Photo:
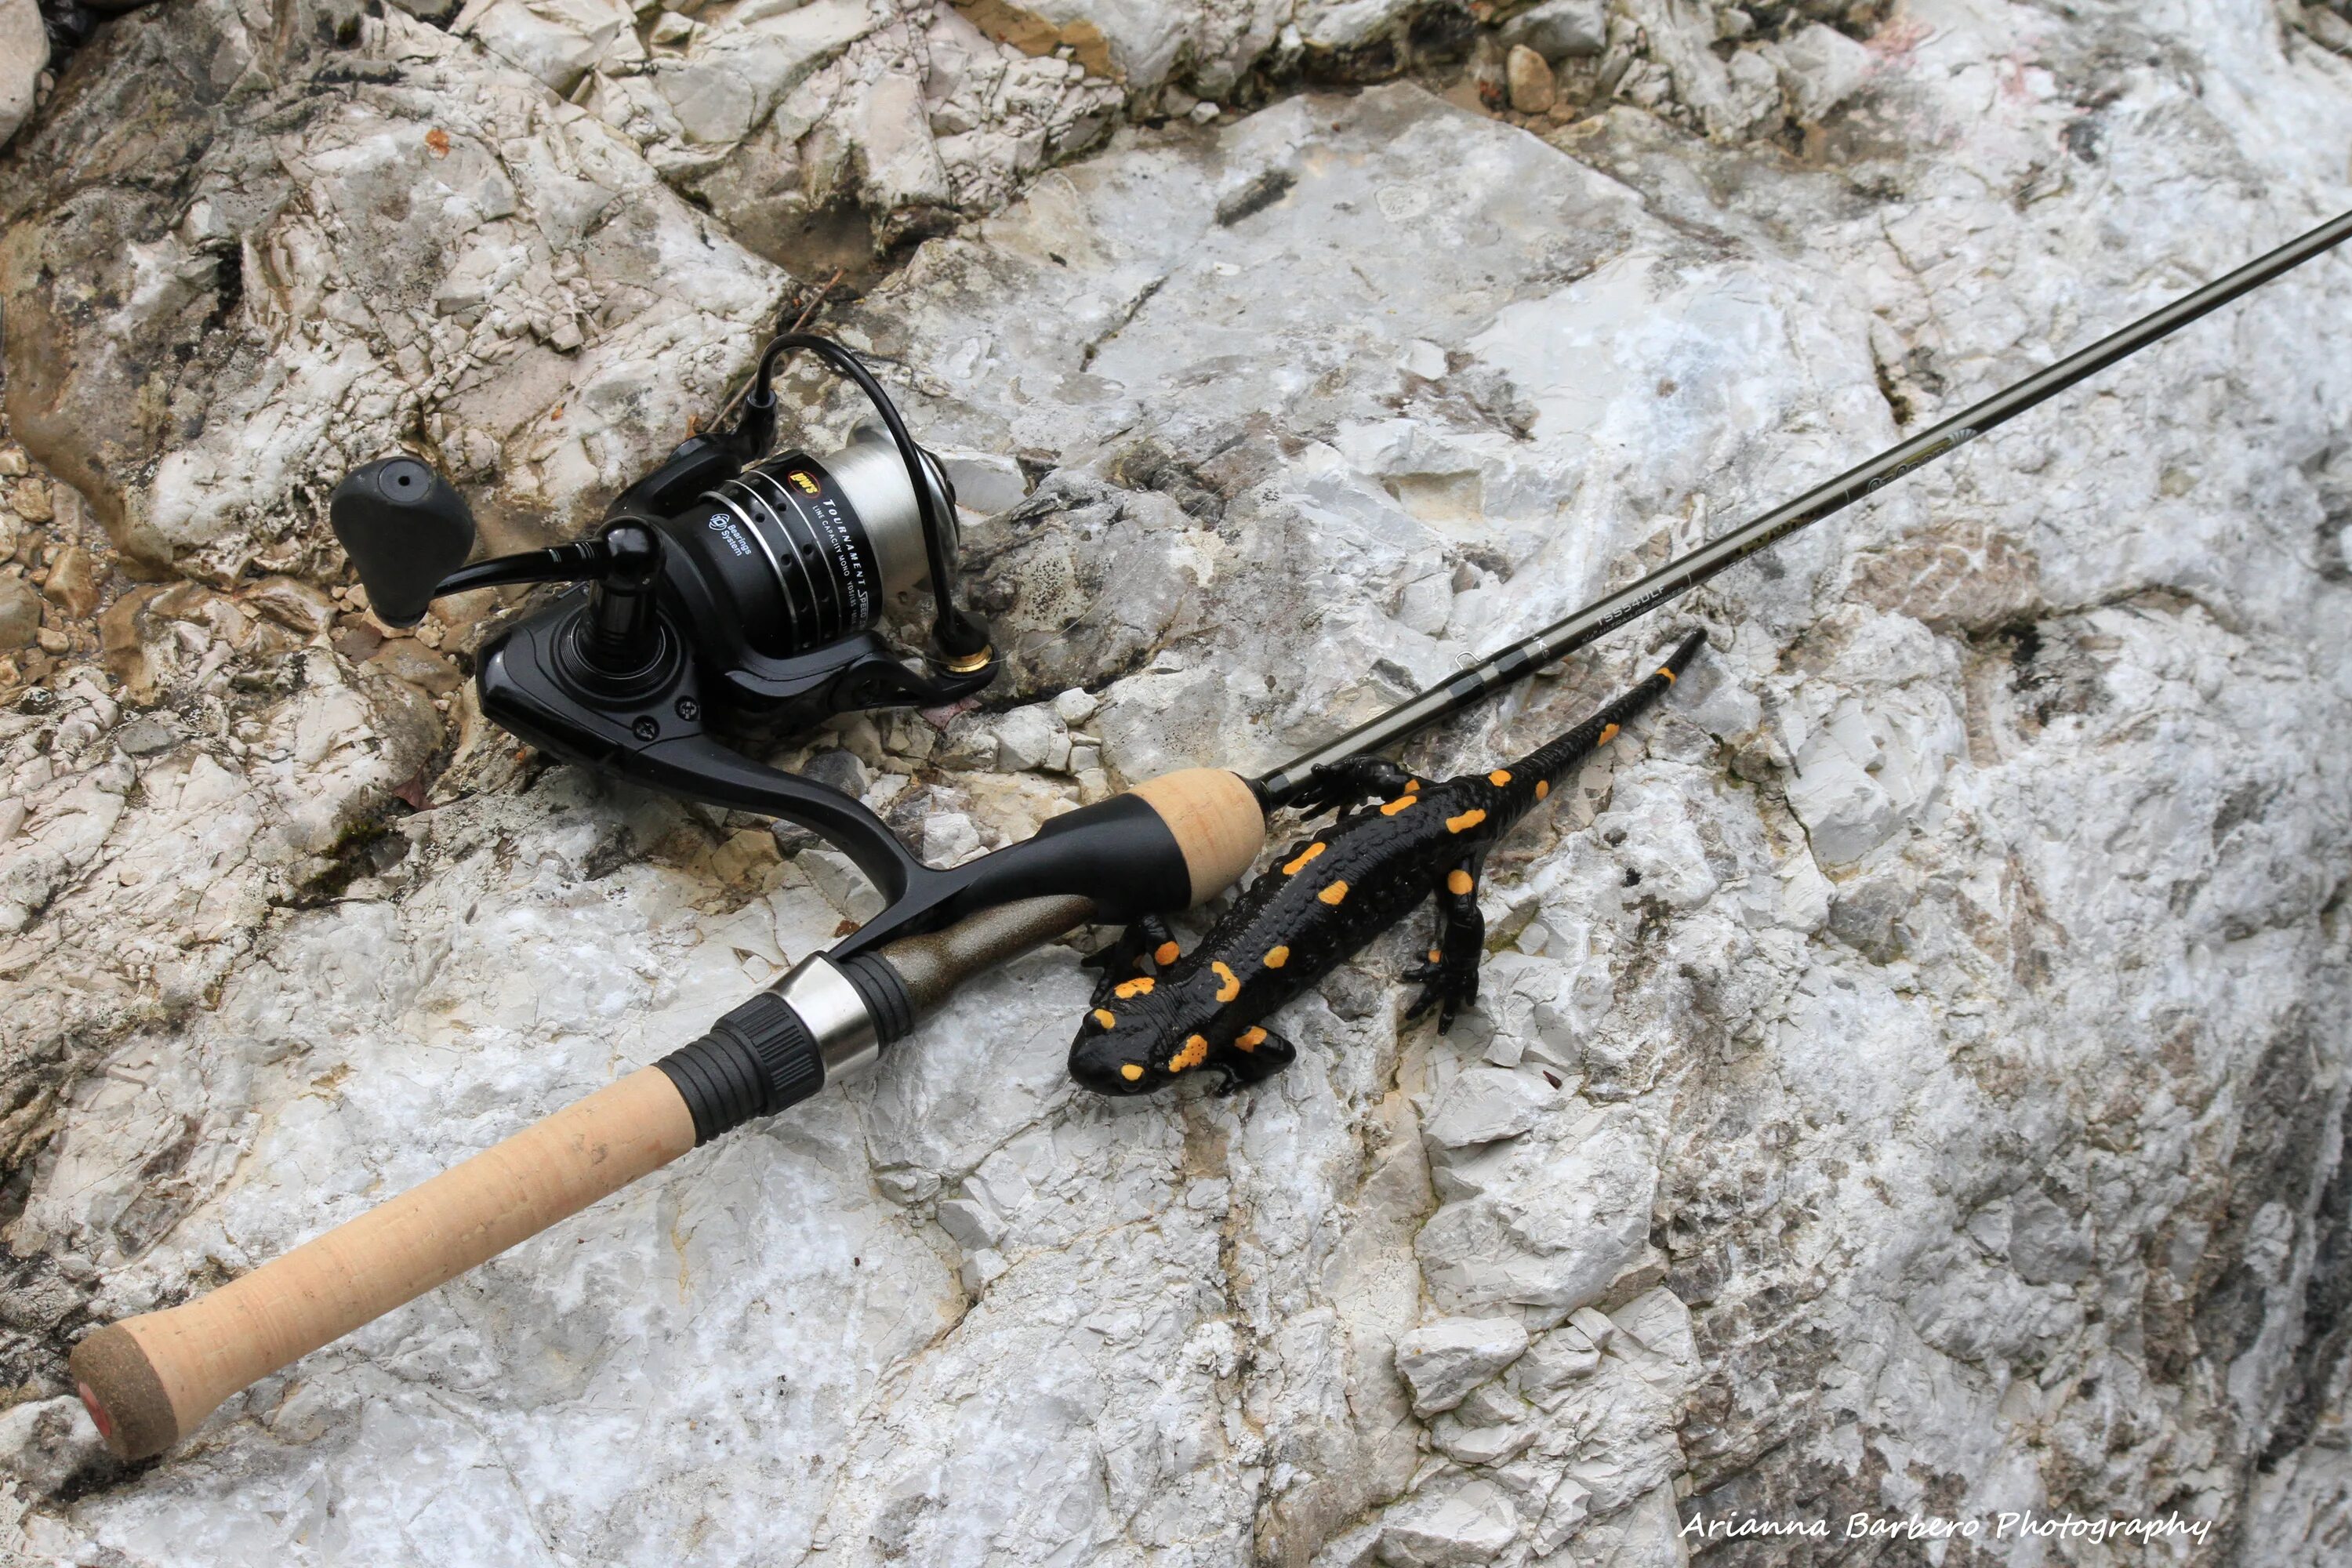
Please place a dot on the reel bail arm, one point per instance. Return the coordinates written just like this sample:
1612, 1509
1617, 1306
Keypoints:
959, 640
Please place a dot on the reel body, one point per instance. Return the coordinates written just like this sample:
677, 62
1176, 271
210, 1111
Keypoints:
733, 595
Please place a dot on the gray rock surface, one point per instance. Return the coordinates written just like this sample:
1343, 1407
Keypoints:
20, 613
45, 1443
1909, 1073
428, 251
1445, 1360
1557, 28
24, 55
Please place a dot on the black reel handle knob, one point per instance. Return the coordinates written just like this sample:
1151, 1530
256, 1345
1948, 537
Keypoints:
404, 528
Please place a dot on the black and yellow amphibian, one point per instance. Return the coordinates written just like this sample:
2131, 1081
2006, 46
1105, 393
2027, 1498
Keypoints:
1160, 1013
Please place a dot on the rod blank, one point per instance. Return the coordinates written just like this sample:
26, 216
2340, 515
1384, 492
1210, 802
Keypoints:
1684, 572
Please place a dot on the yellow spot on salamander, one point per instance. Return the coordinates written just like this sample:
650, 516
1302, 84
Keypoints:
1410, 785
1105, 1017
1275, 957
1333, 894
1250, 1039
1499, 778
1139, 986
1195, 1052
1130, 1072
1164, 954
1608, 733
1465, 821
1667, 673
1543, 788
1292, 867
1398, 803
1232, 987
1436, 955
1457, 882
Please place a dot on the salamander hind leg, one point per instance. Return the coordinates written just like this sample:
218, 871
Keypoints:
1122, 961
1449, 979
1335, 786
1255, 1055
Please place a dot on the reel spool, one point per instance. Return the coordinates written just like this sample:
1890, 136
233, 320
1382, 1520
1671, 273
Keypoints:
795, 554
798, 551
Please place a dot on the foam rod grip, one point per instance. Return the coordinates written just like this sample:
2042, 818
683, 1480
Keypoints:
149, 1381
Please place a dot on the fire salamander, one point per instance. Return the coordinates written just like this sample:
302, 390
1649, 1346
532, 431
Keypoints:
1323, 902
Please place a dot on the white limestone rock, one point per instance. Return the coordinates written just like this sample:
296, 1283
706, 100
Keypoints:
24, 55
950, 839
1662, 58
1980, 1141
1025, 739
558, 41
1820, 68
1553, 1361
1445, 1360
1486, 1105
782, 118
1452, 1528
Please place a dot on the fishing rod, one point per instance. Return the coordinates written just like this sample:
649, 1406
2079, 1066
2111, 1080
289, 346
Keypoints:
688, 601
1606, 614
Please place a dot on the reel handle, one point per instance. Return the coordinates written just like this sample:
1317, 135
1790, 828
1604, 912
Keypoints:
404, 528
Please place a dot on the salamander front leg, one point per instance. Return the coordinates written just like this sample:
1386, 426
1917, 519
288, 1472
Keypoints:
1122, 961
1449, 980
1256, 1054
1335, 786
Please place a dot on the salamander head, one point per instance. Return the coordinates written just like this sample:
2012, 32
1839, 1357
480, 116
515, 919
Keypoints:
1122, 1048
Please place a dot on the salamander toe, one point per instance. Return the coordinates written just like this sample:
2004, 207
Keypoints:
1256, 1054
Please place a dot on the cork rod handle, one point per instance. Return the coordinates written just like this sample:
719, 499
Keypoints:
1216, 821
150, 1381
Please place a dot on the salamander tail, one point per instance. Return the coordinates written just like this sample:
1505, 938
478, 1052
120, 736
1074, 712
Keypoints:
1685, 651
1549, 763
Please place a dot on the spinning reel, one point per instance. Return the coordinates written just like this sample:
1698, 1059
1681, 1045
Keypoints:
733, 590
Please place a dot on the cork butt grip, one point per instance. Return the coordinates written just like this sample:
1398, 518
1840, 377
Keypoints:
1217, 822
150, 1381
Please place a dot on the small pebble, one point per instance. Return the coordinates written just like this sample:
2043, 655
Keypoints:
1530, 79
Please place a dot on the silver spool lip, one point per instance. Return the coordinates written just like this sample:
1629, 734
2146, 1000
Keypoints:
872, 476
